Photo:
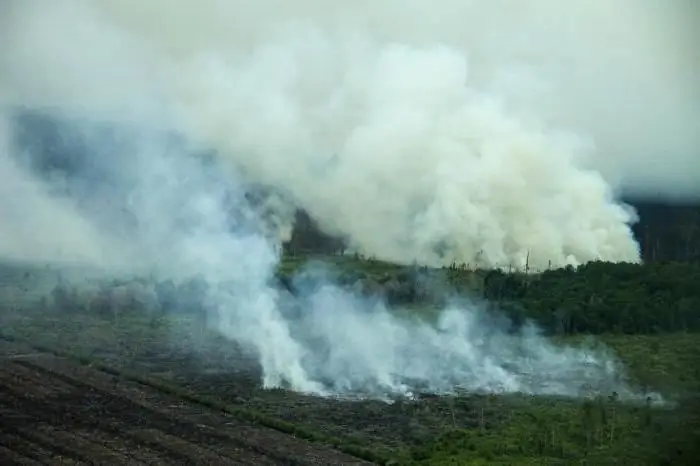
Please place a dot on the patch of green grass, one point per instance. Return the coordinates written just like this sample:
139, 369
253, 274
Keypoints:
549, 431
596, 432
362, 267
669, 362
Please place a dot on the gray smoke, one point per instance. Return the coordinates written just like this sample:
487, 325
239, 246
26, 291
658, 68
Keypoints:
457, 131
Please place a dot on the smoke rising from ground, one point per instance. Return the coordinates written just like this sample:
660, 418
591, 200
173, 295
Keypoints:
187, 216
36, 226
456, 131
355, 347
429, 132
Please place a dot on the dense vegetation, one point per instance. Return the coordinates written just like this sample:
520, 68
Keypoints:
602, 297
668, 232
597, 298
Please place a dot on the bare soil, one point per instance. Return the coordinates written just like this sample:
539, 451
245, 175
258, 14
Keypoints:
216, 368
57, 411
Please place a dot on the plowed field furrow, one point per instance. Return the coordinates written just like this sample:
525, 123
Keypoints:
169, 412
134, 412
94, 445
31, 449
184, 448
122, 430
9, 456
66, 444
55, 411
138, 453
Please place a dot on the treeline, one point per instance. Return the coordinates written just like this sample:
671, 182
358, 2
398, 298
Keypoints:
668, 232
595, 298
602, 297
598, 297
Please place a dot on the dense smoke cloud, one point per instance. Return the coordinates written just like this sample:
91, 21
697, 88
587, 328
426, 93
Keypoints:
37, 226
421, 131
431, 132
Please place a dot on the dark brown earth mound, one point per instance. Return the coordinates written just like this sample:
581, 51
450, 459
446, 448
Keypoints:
55, 411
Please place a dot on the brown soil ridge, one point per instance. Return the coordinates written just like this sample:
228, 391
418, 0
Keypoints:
56, 411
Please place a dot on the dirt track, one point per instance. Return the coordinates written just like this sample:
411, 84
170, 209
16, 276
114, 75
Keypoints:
56, 411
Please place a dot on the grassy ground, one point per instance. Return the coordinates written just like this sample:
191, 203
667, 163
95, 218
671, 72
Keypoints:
463, 430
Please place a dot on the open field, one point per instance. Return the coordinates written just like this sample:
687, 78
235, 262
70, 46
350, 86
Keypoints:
183, 360
55, 410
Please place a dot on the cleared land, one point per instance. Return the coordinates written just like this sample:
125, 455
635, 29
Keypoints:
81, 388
55, 411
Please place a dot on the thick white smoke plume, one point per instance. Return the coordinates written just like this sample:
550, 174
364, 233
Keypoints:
422, 131
470, 131
353, 348
36, 226
187, 216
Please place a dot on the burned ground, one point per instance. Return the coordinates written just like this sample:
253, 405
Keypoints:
161, 388
54, 410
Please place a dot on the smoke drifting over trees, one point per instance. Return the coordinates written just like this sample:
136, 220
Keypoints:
420, 132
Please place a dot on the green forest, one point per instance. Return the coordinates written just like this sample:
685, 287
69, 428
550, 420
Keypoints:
667, 231
595, 298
